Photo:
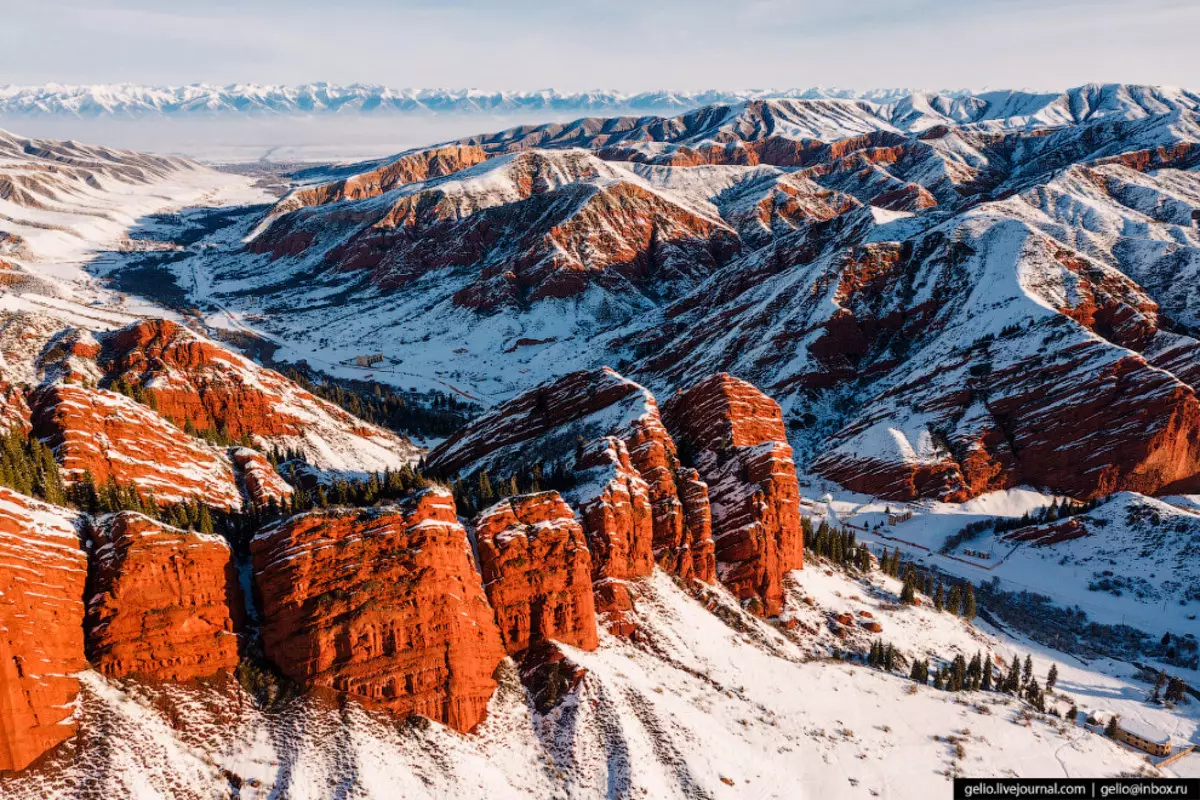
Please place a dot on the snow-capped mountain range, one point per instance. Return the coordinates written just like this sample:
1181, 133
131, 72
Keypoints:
1023, 107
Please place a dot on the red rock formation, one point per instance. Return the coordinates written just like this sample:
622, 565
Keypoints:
614, 503
383, 605
111, 436
43, 570
193, 380
537, 572
14, 412
162, 602
260, 481
740, 445
697, 514
420, 166
628, 494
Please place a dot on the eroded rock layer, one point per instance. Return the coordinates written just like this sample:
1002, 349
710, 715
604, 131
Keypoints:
108, 435
537, 572
43, 571
162, 602
383, 605
739, 444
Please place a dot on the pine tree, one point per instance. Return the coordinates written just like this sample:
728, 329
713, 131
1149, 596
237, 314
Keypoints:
969, 602
954, 599
1012, 683
889, 658
1073, 714
1027, 674
908, 595
939, 597
1110, 730
986, 683
1052, 677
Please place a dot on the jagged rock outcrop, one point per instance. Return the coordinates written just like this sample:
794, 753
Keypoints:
384, 605
43, 570
193, 380
162, 602
14, 411
537, 572
110, 435
261, 483
739, 445
608, 432
549, 675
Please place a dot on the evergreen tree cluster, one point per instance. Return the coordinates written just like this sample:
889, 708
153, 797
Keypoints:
1051, 513
481, 489
959, 599
883, 656
839, 546
980, 674
28, 466
434, 414
134, 391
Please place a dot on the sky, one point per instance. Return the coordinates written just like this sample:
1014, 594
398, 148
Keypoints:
626, 45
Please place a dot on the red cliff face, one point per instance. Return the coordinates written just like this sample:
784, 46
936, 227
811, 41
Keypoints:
740, 445
162, 602
110, 435
42, 571
383, 605
193, 380
261, 483
608, 430
614, 502
629, 498
537, 572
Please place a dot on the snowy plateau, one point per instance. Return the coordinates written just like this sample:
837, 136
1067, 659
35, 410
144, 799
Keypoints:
963, 331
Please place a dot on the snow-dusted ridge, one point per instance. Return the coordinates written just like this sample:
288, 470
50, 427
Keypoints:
900, 105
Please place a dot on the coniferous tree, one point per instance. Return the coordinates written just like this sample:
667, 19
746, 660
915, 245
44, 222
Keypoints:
1052, 677
954, 599
1027, 674
1110, 730
908, 595
1012, 682
968, 609
986, 682
939, 597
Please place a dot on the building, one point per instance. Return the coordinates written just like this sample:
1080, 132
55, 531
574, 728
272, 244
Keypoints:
1144, 737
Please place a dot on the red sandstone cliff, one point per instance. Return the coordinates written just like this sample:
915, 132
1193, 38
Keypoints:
537, 572
740, 445
42, 574
110, 435
383, 605
162, 602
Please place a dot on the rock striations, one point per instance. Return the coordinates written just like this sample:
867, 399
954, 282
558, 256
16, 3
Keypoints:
42, 574
637, 503
736, 436
537, 572
162, 602
383, 605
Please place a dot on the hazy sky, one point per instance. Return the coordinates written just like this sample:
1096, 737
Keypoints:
618, 44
